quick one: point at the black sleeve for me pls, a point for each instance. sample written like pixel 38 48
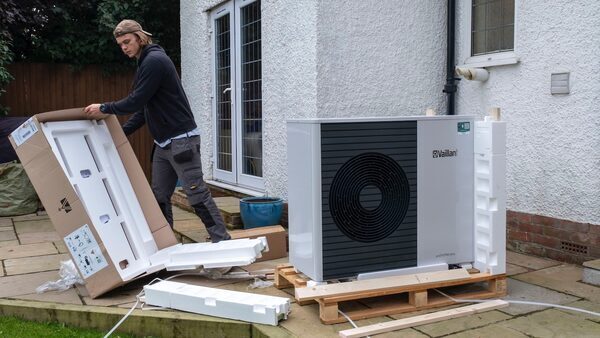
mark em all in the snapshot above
pixel 148 79
pixel 134 122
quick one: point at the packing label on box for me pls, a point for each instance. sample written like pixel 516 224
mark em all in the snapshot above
pixel 85 251
pixel 24 132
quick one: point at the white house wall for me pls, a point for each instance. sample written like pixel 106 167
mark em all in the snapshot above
pixel 381 58
pixel 196 71
pixel 552 140
pixel 325 59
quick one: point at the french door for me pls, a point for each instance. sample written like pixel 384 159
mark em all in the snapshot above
pixel 237 93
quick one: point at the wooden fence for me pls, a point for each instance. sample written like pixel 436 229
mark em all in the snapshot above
pixel 42 87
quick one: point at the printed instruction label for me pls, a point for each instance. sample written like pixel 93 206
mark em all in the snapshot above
pixel 85 251
pixel 24 132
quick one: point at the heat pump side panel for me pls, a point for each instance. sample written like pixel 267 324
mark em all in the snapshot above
pixel 304 196
pixel 445 195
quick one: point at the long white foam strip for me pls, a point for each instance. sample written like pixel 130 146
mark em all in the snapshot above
pixel 217 302
pixel 235 252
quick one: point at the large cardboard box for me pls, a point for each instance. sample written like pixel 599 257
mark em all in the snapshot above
pixel 68 213
pixel 276 239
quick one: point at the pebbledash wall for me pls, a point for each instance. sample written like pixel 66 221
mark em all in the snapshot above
pixel 382 58
pixel 553 162
pixel 325 59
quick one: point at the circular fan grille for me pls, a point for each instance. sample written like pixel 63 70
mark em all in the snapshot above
pixel 369 197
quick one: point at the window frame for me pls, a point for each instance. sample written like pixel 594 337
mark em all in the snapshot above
pixel 490 59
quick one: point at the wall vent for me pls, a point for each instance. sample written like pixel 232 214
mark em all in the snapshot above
pixel 574 248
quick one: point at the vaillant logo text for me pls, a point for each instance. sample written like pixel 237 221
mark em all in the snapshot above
pixel 444 153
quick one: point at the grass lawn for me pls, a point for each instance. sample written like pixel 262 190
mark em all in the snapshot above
pixel 17 328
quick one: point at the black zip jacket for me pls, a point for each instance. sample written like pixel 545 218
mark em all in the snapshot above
pixel 157 98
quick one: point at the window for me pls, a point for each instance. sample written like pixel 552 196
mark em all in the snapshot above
pixel 492 26
pixel 237 88
pixel 491 33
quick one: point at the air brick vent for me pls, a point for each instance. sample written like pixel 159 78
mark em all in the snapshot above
pixel 574 248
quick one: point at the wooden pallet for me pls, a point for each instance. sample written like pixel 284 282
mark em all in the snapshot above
pixel 367 299
pixel 286 276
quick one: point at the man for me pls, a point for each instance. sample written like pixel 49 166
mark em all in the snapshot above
pixel 158 99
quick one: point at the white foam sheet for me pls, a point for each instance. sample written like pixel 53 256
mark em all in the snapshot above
pixel 235 252
pixel 89 158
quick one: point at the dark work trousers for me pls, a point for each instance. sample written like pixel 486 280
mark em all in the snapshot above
pixel 181 159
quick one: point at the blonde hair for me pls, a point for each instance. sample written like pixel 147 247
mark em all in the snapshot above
pixel 144 39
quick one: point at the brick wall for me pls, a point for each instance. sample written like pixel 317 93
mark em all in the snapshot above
pixel 554 238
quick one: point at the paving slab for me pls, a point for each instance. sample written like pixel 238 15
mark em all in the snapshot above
pixel 28 250
pixel 9 243
pixel 522 291
pixel 2 273
pixel 61 247
pixel 244 286
pixel 7 236
pixel 229 209
pixel 531 262
pixel 266 265
pixel 11 286
pixel 28 226
pixel 39 237
pixel 595 264
pixel 180 214
pixel 553 323
pixel 31 217
pixel 7 228
pixel 19 266
pixel 563 278
pixel 6 222
pixel 304 321
pixel 463 323
pixel 113 298
pixel 584 305
pixel 188 224
pixel 489 331
pixel 512 269
pixel 227 201
pixel 69 296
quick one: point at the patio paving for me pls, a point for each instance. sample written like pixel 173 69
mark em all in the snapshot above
pixel 31 251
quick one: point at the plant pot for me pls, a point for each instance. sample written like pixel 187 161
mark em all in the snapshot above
pixel 260 211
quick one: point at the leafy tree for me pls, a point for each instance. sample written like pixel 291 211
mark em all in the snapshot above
pixel 5 77
pixel 13 16
pixel 79 32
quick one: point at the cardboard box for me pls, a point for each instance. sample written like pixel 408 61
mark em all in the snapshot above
pixel 71 217
pixel 276 239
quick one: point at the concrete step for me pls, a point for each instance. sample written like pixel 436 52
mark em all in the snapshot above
pixel 228 205
pixel 591 272
pixel 139 323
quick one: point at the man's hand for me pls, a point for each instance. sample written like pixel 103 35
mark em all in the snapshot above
pixel 93 112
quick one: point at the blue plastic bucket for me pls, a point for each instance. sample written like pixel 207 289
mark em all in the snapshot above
pixel 260 211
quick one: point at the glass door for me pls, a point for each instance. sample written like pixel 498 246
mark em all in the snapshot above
pixel 237 93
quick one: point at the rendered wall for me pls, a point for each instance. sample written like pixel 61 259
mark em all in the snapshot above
pixel 325 59
pixel 552 140
pixel 381 58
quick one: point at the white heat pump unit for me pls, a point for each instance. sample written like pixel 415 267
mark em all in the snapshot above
pixel 381 194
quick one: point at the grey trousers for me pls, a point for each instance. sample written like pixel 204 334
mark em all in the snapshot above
pixel 181 160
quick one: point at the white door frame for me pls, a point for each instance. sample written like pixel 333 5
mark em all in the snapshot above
pixel 236 176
